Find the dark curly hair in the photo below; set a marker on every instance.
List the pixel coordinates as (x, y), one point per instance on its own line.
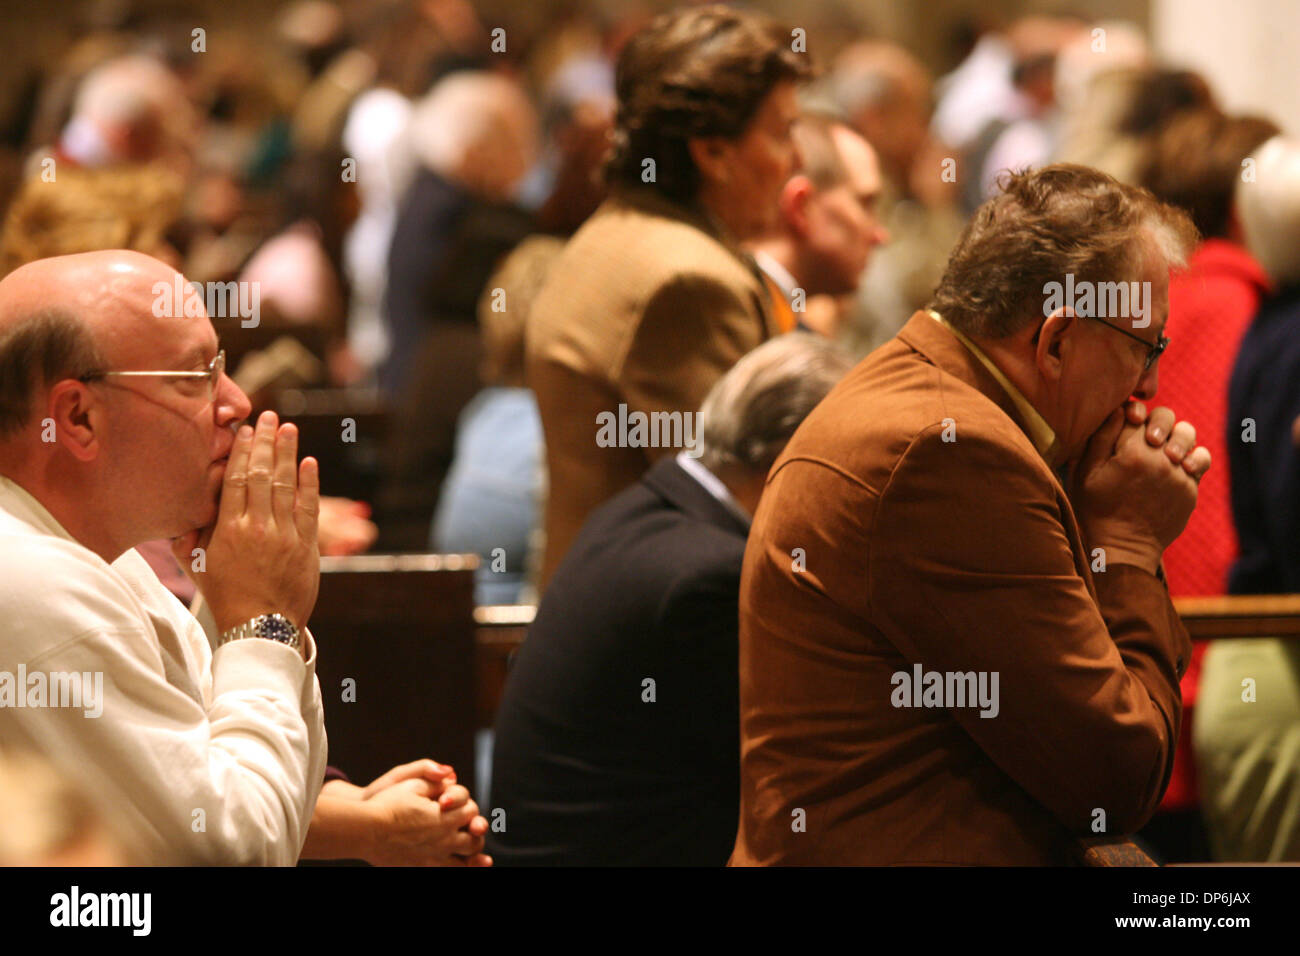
(697, 72)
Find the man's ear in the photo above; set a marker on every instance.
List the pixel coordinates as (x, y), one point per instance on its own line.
(709, 154)
(74, 418)
(794, 199)
(1054, 342)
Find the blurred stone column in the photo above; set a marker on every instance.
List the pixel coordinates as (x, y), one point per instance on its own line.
(1246, 49)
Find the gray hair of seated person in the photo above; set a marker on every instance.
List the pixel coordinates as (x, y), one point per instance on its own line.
(751, 412)
(1268, 205)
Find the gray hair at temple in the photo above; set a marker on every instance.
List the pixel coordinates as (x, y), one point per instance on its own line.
(821, 159)
(1269, 208)
(48, 347)
(753, 410)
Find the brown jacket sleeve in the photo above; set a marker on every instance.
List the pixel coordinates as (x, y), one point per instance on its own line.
(975, 565)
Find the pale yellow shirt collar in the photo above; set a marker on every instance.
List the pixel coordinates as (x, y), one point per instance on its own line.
(1040, 433)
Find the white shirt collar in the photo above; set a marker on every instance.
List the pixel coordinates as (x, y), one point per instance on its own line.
(714, 486)
(23, 505)
(777, 273)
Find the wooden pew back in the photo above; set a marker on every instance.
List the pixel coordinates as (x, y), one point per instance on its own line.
(401, 629)
(1240, 615)
(344, 430)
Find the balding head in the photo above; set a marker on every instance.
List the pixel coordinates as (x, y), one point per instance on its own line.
(79, 283)
(70, 315)
(829, 221)
(143, 448)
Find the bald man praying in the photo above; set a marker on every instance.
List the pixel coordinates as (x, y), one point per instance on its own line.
(118, 426)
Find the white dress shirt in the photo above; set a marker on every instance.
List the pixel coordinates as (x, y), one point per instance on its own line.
(784, 279)
(196, 757)
(714, 486)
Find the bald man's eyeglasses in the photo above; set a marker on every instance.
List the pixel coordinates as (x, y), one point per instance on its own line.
(213, 374)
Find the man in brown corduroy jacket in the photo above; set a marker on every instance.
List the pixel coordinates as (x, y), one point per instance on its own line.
(956, 645)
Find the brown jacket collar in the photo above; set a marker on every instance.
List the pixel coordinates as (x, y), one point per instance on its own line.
(946, 352)
(649, 201)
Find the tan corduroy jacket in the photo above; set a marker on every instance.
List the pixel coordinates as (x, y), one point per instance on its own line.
(648, 305)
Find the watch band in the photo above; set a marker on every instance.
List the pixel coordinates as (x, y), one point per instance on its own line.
(270, 627)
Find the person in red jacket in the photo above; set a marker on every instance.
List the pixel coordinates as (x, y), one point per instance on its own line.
(1195, 164)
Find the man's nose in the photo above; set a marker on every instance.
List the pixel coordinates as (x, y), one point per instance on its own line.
(232, 404)
(1148, 383)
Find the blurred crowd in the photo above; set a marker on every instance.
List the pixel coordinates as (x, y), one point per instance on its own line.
(369, 166)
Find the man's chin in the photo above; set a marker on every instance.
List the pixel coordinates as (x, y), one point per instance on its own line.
(208, 514)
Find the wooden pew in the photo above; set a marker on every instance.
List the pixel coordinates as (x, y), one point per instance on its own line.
(499, 630)
(1112, 851)
(1240, 615)
(402, 628)
(1206, 618)
(349, 455)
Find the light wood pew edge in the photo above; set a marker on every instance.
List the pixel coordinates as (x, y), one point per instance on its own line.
(1240, 615)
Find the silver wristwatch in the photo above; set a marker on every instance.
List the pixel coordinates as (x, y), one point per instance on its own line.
(271, 627)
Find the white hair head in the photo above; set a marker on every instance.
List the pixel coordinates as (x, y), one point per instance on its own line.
(1268, 204)
(128, 90)
(1101, 48)
(471, 117)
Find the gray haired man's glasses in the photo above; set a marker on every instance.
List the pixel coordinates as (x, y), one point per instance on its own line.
(213, 374)
(1154, 351)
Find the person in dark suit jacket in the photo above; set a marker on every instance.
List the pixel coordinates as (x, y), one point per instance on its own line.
(617, 737)
(473, 138)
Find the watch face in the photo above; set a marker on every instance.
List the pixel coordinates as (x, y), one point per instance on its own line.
(276, 628)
